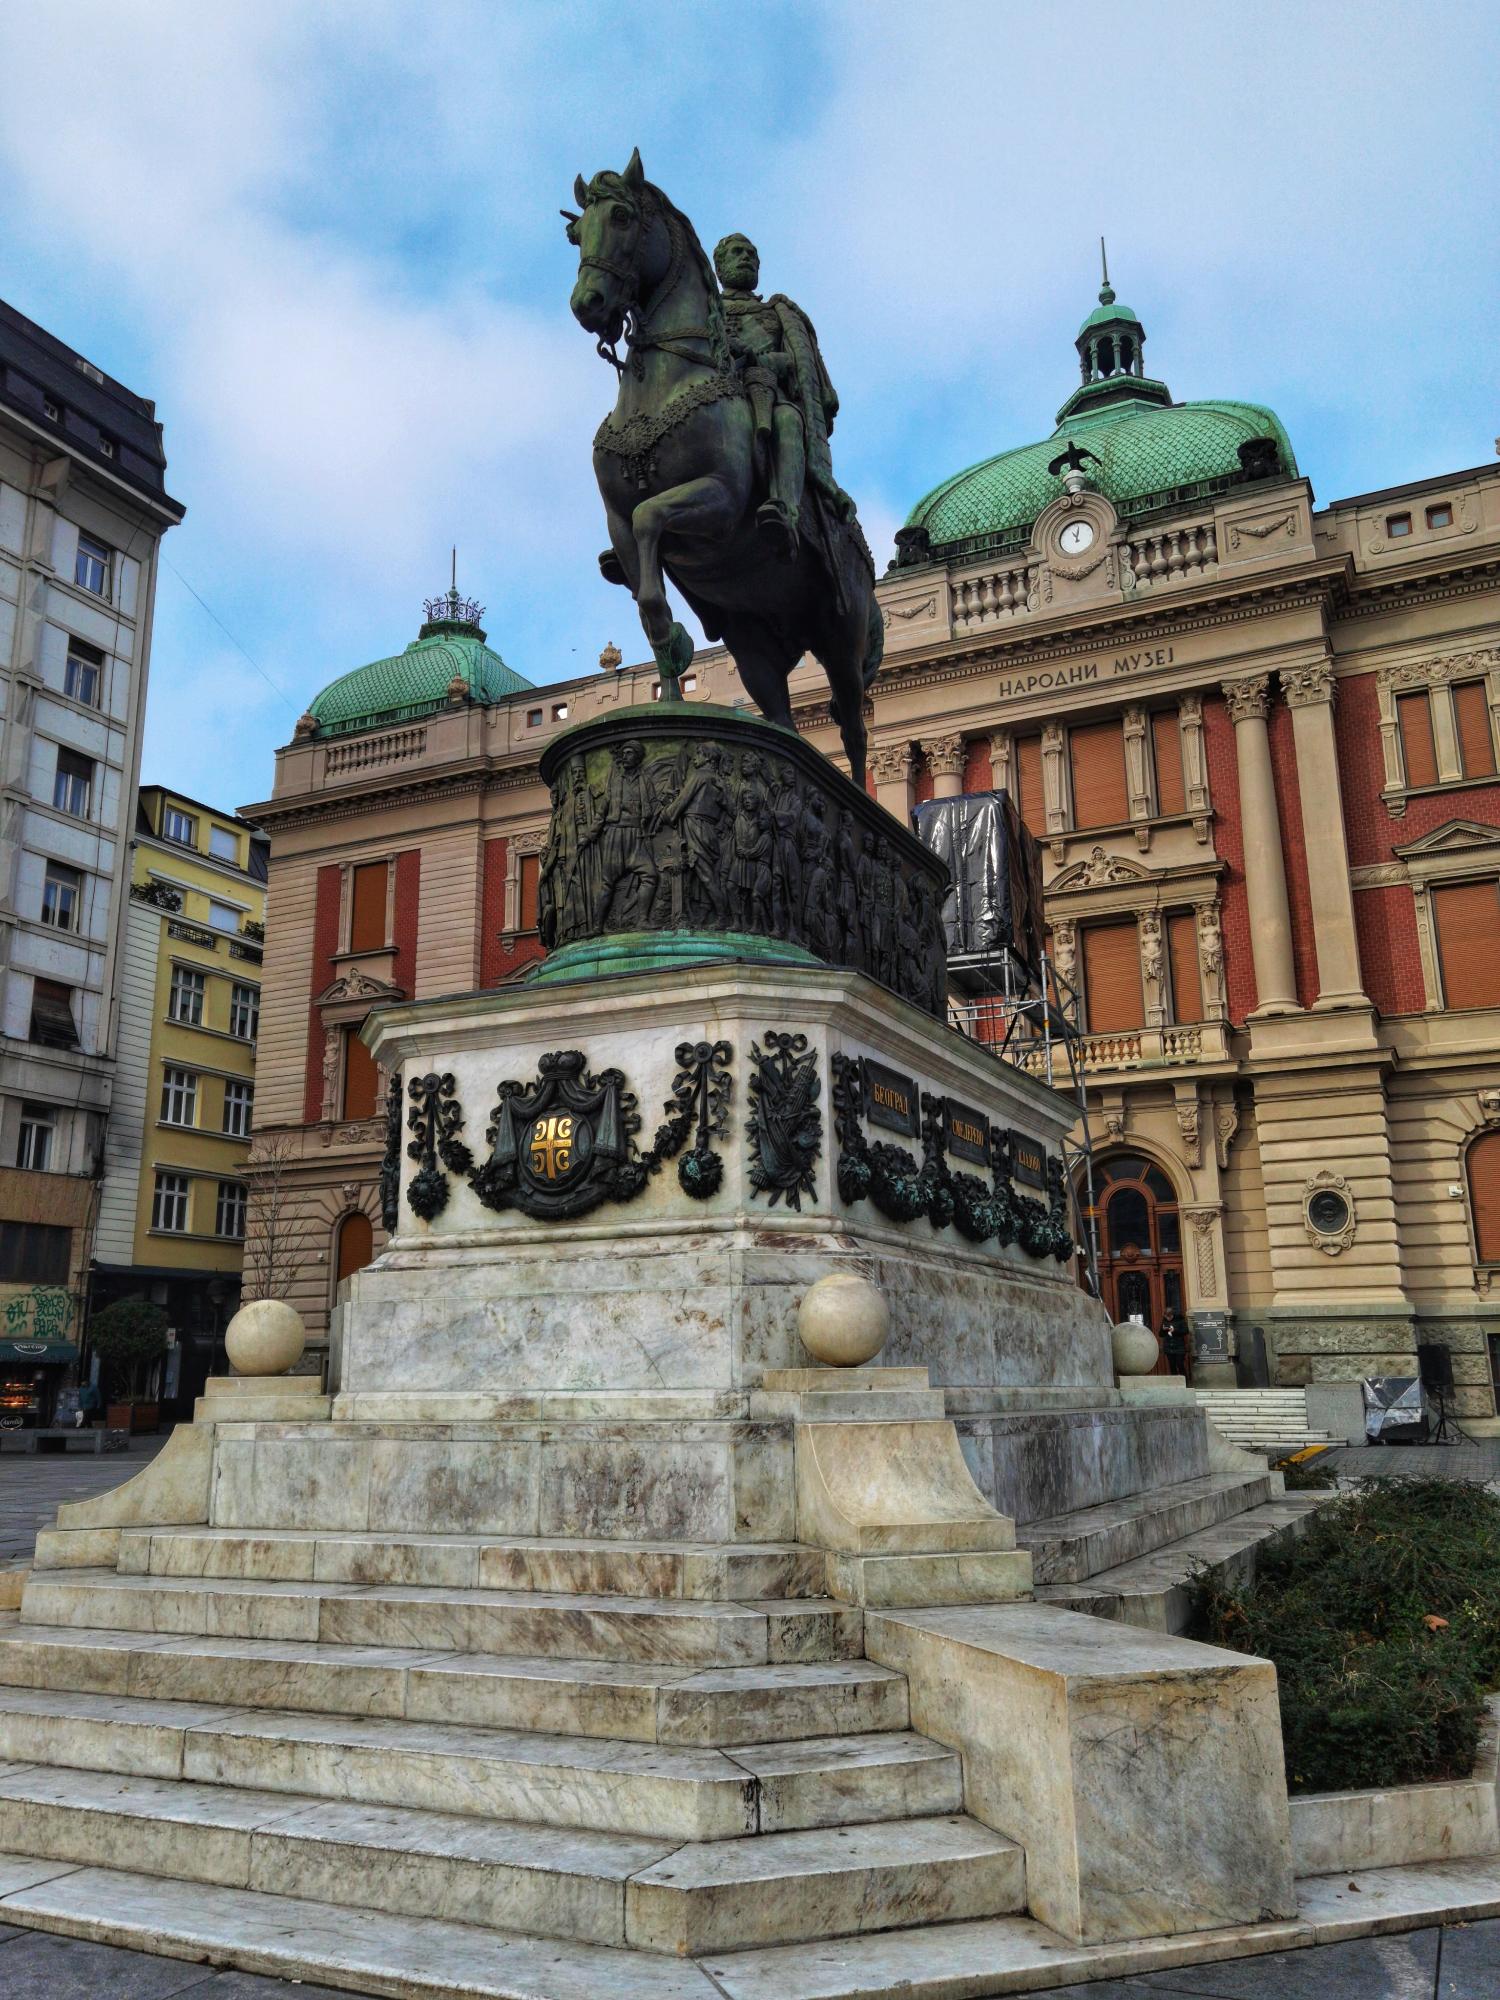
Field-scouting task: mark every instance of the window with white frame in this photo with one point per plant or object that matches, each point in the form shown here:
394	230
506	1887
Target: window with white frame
83	674
239	1103
34	1145
224	916
179	826
244	1012
186	1001
62	896
223	843
179	1096
169	1204
91	566
73	783
229	1215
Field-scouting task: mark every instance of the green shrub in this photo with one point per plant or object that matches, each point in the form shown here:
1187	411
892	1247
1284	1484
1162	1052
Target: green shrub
1383	1620
127	1337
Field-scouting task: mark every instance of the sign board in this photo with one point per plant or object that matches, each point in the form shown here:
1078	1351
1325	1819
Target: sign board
1028	1160
966	1132
891	1099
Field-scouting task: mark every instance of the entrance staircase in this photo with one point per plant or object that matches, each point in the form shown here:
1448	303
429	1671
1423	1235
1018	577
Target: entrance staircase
1273	1421
504	1766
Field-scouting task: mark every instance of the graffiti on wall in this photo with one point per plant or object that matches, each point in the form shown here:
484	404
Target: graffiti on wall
41	1313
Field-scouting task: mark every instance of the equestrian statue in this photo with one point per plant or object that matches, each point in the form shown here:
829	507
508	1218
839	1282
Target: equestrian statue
714	466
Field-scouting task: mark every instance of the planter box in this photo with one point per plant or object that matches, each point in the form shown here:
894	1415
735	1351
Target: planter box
1397	1826
135	1417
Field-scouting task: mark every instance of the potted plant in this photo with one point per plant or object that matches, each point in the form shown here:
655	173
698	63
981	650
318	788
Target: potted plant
129	1337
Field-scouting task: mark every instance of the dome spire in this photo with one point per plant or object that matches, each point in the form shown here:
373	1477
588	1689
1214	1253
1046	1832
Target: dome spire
1111	344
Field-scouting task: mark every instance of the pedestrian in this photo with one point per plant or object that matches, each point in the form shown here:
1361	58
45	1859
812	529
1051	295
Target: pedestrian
88	1406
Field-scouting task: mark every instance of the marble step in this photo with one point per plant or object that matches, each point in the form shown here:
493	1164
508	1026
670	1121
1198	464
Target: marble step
1068	1548
723	1572
696	1632
1156	1590
588	1886
429	1958
681	1791
636	1702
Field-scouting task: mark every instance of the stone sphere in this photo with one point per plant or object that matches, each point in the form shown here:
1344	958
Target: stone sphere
1136	1348
843	1320
265	1337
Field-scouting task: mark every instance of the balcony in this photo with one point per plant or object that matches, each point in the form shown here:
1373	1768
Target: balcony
1135	1049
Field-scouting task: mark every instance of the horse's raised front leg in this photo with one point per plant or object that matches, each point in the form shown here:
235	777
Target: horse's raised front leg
700	509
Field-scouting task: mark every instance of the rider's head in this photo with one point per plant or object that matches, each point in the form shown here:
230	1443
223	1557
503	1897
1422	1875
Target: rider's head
737	262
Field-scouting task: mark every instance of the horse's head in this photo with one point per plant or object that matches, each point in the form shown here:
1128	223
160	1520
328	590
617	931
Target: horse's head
621	240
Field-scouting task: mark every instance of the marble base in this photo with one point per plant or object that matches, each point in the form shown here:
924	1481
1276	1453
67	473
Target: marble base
667	1293
1142	1774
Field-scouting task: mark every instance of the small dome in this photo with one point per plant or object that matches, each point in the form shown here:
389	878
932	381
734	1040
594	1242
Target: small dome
417	682
1106	312
1150	456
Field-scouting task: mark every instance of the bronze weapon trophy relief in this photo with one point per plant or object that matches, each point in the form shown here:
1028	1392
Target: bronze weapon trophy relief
684	821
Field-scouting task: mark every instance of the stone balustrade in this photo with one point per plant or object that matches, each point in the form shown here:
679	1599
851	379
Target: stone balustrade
363	753
990	596
1137	1048
1176	555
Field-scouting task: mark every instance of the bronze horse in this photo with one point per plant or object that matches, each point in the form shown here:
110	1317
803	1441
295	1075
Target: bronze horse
680	474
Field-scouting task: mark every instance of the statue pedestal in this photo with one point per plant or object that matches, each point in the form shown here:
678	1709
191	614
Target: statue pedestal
685	1298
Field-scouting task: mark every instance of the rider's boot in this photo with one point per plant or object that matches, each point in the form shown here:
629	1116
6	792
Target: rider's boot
776	524
611	568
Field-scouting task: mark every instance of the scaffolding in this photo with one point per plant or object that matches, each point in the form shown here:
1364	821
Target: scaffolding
1029	1016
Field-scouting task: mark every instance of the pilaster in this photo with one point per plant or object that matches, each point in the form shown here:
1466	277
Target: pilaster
1310	693
1265	869
891	768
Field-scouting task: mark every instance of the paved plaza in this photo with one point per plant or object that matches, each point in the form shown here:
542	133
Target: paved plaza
33	1487
1461	1962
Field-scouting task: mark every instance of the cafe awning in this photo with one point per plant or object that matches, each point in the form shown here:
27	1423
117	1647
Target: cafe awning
38	1353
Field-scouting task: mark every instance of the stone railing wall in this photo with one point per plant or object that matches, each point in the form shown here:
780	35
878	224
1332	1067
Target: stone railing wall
1176	555
364	753
989	598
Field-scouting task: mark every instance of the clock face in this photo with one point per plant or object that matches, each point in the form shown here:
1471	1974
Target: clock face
1075	538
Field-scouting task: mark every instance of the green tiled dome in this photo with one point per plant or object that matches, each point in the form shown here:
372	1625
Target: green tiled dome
416	682
1150	455
1150	451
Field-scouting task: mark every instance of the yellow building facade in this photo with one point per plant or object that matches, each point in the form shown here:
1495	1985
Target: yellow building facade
172	1213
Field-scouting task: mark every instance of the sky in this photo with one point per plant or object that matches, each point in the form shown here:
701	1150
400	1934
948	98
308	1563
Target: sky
325	238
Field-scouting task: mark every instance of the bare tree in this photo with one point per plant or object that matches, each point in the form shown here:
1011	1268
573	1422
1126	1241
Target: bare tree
276	1234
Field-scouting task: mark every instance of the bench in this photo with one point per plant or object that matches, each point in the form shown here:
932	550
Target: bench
96	1438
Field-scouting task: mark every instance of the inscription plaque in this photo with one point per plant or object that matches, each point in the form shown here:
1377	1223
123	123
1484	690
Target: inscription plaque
966	1132
1028	1160
891	1099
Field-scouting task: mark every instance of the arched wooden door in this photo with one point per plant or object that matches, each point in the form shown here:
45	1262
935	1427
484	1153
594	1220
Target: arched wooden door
356	1246
1140	1240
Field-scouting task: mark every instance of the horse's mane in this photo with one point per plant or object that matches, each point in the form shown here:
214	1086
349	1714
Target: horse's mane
613	183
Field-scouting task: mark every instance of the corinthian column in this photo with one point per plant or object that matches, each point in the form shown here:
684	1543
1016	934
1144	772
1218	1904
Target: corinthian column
1265	871
945	755
890	767
1309	693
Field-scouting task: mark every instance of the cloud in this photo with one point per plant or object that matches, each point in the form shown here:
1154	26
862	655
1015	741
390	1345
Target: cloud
325	238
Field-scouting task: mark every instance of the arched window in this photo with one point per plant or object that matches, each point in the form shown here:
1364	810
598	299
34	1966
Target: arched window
356	1246
1484	1196
1140	1240
1106	356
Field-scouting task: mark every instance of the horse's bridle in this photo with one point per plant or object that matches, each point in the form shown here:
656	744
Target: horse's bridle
636	337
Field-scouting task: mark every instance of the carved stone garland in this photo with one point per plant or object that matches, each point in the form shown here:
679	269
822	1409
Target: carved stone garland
433	1120
785	1127
902	1189
390	1163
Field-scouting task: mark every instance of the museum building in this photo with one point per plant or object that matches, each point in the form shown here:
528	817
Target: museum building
1259	742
